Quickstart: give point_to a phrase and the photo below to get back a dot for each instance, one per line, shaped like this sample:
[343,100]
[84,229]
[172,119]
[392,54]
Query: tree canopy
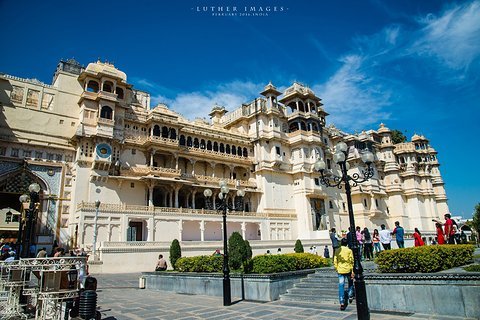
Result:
[398,137]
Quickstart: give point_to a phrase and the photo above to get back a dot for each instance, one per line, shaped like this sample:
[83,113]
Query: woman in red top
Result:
[418,238]
[440,236]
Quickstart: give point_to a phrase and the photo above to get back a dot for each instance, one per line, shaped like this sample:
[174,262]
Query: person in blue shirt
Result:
[399,232]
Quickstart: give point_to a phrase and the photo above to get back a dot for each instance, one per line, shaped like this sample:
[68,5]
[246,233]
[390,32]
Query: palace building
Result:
[91,135]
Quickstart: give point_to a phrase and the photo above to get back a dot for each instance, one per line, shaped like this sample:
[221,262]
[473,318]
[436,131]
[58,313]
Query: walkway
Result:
[119,298]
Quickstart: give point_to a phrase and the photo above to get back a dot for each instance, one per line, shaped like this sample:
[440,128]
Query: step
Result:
[316,285]
[308,298]
[324,306]
[318,280]
[324,292]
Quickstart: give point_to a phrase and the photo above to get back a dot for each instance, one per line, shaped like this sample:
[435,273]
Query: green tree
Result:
[175,253]
[398,137]
[249,250]
[237,251]
[476,219]
[298,246]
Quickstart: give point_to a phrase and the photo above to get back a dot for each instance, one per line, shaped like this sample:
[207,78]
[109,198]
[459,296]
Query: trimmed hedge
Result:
[200,264]
[298,246]
[259,264]
[472,268]
[424,259]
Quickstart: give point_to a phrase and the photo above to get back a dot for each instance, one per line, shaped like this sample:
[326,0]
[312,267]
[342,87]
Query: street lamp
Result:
[238,205]
[340,157]
[33,198]
[97,205]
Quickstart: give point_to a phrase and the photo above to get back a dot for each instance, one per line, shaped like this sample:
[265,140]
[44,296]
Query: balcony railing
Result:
[111,208]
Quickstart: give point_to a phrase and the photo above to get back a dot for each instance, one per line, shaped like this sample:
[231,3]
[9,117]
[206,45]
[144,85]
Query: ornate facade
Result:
[91,136]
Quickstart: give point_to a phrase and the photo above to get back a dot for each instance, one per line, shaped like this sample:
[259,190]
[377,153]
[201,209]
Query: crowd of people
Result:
[8,251]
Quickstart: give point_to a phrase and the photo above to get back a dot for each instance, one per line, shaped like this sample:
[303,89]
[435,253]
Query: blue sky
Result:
[413,65]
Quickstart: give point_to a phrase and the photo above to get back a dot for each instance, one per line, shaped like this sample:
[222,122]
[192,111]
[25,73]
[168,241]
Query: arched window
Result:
[293,127]
[202,144]
[314,127]
[92,86]
[119,92]
[245,152]
[173,134]
[108,86]
[164,132]
[303,126]
[239,151]
[227,149]
[195,143]
[209,145]
[215,146]
[189,141]
[156,130]
[106,112]
[222,148]
[234,150]
[301,107]
[182,140]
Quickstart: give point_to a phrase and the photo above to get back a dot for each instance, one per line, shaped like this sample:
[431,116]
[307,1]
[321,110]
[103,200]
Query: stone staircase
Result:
[319,288]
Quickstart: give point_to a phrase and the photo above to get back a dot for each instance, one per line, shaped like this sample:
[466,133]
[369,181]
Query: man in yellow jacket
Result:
[343,262]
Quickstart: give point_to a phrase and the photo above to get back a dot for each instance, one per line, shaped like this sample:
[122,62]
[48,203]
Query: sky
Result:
[413,65]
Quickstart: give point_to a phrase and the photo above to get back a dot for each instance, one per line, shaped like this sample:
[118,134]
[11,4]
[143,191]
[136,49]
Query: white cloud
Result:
[231,95]
[453,37]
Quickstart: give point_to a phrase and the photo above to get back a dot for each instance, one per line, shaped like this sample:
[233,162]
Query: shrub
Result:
[237,251]
[249,250]
[473,268]
[200,264]
[309,261]
[287,262]
[175,253]
[298,246]
[424,259]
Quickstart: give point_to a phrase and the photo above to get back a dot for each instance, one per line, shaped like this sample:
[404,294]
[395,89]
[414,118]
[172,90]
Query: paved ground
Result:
[119,298]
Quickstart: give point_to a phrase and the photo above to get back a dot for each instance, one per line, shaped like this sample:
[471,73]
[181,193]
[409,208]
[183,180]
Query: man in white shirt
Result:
[385,237]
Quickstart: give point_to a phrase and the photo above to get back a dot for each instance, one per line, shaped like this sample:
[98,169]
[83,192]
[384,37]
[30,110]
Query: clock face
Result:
[104,150]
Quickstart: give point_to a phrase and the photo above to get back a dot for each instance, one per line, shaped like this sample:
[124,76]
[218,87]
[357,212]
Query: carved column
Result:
[177,189]
[193,166]
[150,194]
[180,229]
[152,153]
[244,228]
[151,229]
[213,164]
[194,192]
[202,230]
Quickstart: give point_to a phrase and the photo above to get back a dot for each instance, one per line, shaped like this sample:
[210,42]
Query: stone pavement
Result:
[119,298]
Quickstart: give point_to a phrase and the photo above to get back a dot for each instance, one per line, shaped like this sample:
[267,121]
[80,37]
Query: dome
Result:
[107,69]
[383,129]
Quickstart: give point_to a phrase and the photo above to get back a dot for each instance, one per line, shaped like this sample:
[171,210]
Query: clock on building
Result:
[104,150]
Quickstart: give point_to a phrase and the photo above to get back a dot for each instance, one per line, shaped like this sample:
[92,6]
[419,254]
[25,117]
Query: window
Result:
[108,86]
[32,97]
[330,204]
[17,94]
[365,203]
[277,149]
[38,154]
[2,151]
[317,181]
[92,86]
[47,101]
[106,112]
[329,165]
[50,156]
[134,151]
[27,153]
[14,152]
[58,157]
[132,185]
[343,205]
[119,92]
[72,124]
[376,202]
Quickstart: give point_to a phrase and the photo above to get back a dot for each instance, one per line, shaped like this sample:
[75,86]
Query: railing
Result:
[216,153]
[163,140]
[167,211]
[109,122]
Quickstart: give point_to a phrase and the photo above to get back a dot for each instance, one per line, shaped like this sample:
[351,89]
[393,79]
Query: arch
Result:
[234,150]
[165,132]
[222,148]
[119,92]
[92,86]
[189,141]
[173,133]
[303,126]
[202,144]
[292,106]
[156,130]
[196,144]
[215,146]
[108,86]
[301,106]
[293,127]
[182,140]
[209,145]
[314,127]
[245,152]
[106,113]
[239,151]
[227,149]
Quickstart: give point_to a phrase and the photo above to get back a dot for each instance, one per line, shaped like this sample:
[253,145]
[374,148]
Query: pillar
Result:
[150,195]
[202,230]
[244,228]
[180,229]
[151,229]
[194,192]
[152,153]
[177,189]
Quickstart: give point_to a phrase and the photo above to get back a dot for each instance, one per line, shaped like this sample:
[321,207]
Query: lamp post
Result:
[97,205]
[33,198]
[227,297]
[340,157]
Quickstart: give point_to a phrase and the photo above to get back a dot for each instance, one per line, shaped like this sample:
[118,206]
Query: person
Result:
[418,238]
[59,252]
[359,236]
[314,250]
[376,241]
[334,239]
[385,237]
[326,252]
[449,232]
[279,251]
[217,253]
[399,232]
[268,252]
[161,264]
[457,234]
[42,253]
[350,237]
[368,244]
[343,263]
[440,236]
[463,237]
[11,256]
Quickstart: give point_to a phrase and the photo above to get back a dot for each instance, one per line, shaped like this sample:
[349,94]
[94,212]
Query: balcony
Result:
[150,171]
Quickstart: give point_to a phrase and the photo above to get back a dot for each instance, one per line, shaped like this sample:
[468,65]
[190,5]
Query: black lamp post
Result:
[340,157]
[33,198]
[223,206]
